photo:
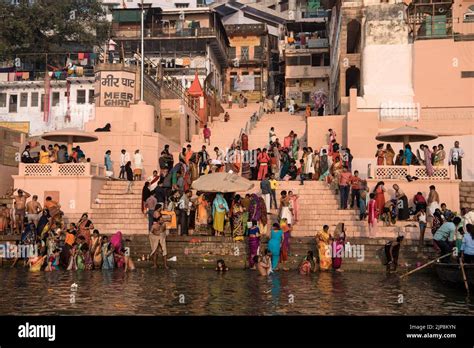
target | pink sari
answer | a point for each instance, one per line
(372, 212)
(429, 166)
(117, 243)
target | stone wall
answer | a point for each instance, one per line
(466, 194)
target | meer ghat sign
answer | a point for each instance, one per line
(117, 88)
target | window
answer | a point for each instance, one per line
(34, 99)
(257, 81)
(233, 76)
(3, 100)
(168, 122)
(244, 52)
(305, 60)
(13, 103)
(42, 102)
(258, 52)
(55, 98)
(231, 52)
(316, 59)
(23, 100)
(81, 96)
(305, 97)
(292, 61)
(182, 5)
(327, 61)
(91, 96)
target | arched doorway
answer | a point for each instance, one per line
(352, 80)
(353, 36)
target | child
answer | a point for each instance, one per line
(264, 263)
(221, 267)
(207, 135)
(421, 217)
(308, 264)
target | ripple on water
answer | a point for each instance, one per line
(205, 292)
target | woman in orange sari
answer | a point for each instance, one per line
(380, 154)
(202, 215)
(379, 192)
(323, 241)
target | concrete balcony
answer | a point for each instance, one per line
(307, 71)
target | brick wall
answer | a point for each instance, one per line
(466, 194)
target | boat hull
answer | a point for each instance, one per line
(451, 273)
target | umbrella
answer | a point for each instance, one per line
(406, 135)
(70, 136)
(222, 182)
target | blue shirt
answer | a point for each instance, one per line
(467, 245)
(254, 230)
(446, 231)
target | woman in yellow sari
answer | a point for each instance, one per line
(44, 156)
(323, 241)
(336, 170)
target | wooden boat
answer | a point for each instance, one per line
(451, 272)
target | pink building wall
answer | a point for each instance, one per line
(437, 67)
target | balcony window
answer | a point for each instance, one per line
(232, 52)
(316, 59)
(244, 53)
(258, 81)
(91, 96)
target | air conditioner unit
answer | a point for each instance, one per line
(469, 17)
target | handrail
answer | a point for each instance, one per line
(249, 125)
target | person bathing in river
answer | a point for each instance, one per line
(392, 250)
(220, 266)
(308, 264)
(264, 263)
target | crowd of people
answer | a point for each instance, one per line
(53, 154)
(424, 156)
(48, 243)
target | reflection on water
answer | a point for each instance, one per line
(205, 292)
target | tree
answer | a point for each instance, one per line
(48, 26)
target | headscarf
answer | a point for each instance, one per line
(218, 201)
(116, 241)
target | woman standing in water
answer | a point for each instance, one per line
(274, 244)
(338, 247)
(285, 248)
(323, 241)
(254, 243)
(107, 254)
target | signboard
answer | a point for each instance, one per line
(296, 95)
(8, 156)
(117, 88)
(244, 83)
(238, 41)
(17, 126)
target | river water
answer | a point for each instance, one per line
(237, 292)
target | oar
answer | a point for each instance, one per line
(423, 266)
(464, 275)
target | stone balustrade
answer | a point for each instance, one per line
(400, 172)
(61, 170)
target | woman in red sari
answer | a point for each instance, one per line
(379, 192)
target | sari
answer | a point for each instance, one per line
(219, 209)
(440, 156)
(84, 230)
(408, 156)
(36, 263)
(285, 212)
(295, 146)
(338, 247)
(389, 155)
(428, 165)
(323, 168)
(202, 215)
(107, 256)
(372, 212)
(317, 164)
(237, 223)
(285, 160)
(287, 141)
(323, 240)
(380, 199)
(285, 247)
(380, 157)
(254, 244)
(117, 244)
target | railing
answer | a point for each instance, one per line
(61, 170)
(401, 172)
(249, 125)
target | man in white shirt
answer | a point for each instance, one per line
(112, 47)
(455, 158)
(124, 158)
(153, 180)
(137, 171)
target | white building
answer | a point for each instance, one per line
(23, 104)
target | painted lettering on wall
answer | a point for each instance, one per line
(117, 89)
